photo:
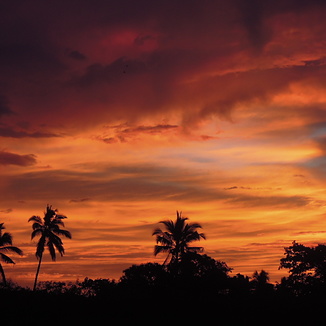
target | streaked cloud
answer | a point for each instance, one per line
(11, 132)
(7, 158)
(122, 112)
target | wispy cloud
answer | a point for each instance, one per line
(124, 133)
(11, 132)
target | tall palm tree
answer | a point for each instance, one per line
(49, 232)
(176, 239)
(6, 246)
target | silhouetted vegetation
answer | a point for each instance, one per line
(6, 246)
(176, 239)
(191, 287)
(49, 231)
(205, 291)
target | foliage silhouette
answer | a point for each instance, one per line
(204, 292)
(6, 246)
(49, 232)
(197, 287)
(260, 282)
(305, 260)
(307, 268)
(145, 275)
(176, 239)
(260, 278)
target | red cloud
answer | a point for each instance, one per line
(7, 158)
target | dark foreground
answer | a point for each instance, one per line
(198, 290)
(112, 303)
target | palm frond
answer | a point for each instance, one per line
(51, 250)
(180, 221)
(35, 219)
(157, 231)
(169, 224)
(6, 239)
(159, 249)
(194, 236)
(57, 242)
(59, 247)
(65, 233)
(195, 249)
(57, 222)
(164, 239)
(36, 233)
(14, 249)
(193, 226)
(59, 216)
(6, 259)
(37, 225)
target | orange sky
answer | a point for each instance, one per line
(119, 113)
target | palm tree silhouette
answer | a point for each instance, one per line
(260, 278)
(49, 232)
(176, 239)
(6, 245)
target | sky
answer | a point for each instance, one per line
(120, 113)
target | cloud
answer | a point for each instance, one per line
(4, 108)
(253, 14)
(150, 129)
(7, 158)
(140, 63)
(231, 188)
(270, 201)
(316, 164)
(6, 211)
(309, 232)
(110, 185)
(138, 183)
(114, 72)
(124, 133)
(76, 55)
(79, 200)
(11, 132)
(155, 74)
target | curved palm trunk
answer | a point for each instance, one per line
(166, 259)
(37, 272)
(3, 275)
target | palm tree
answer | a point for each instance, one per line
(260, 278)
(6, 246)
(49, 232)
(176, 239)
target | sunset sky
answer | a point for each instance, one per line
(119, 113)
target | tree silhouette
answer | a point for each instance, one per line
(49, 232)
(144, 275)
(6, 246)
(260, 278)
(300, 259)
(307, 267)
(260, 283)
(176, 239)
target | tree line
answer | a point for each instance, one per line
(306, 265)
(189, 284)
